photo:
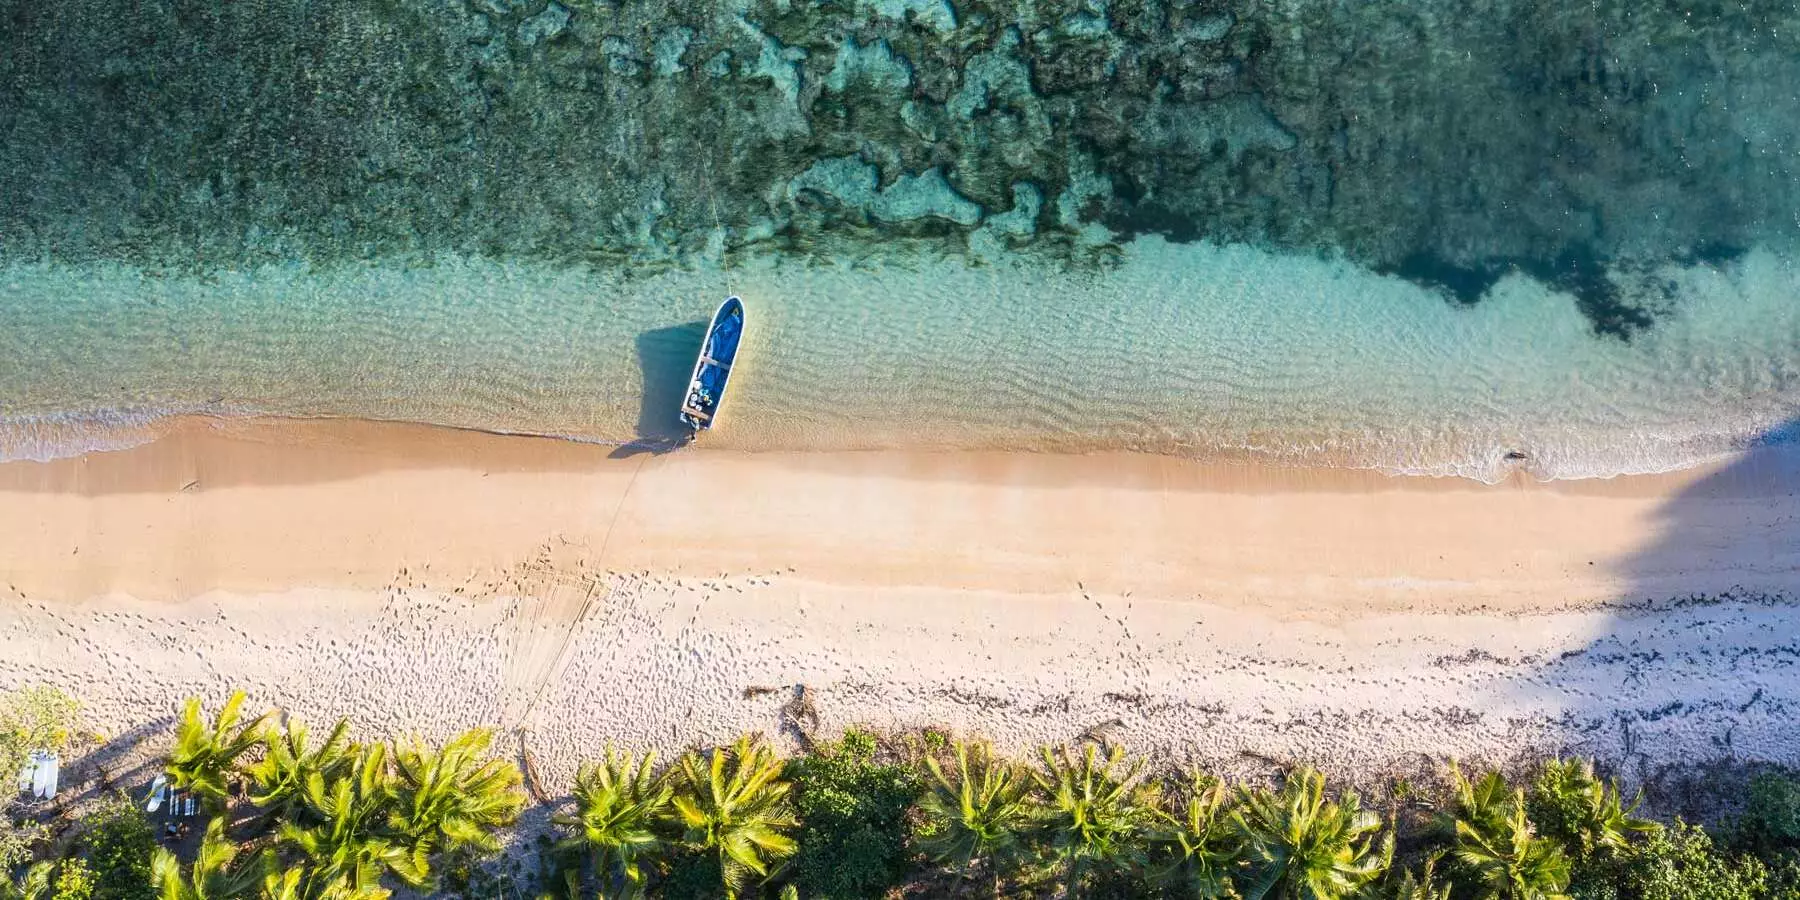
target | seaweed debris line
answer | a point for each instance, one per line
(706, 388)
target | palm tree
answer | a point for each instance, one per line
(346, 844)
(1423, 886)
(457, 795)
(1205, 847)
(734, 804)
(1510, 862)
(1302, 846)
(1587, 816)
(288, 761)
(291, 883)
(213, 876)
(621, 808)
(205, 755)
(34, 886)
(1482, 804)
(1097, 810)
(978, 813)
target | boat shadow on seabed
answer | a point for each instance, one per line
(666, 356)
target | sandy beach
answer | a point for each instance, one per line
(425, 580)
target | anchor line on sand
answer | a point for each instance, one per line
(567, 641)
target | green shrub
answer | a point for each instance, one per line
(75, 881)
(1771, 819)
(852, 812)
(1682, 863)
(37, 718)
(17, 840)
(119, 842)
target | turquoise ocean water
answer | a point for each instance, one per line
(1412, 238)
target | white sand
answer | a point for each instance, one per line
(425, 581)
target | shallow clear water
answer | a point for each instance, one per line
(1412, 237)
(1186, 349)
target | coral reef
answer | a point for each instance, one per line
(1570, 143)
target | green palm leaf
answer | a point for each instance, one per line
(1097, 810)
(1586, 816)
(205, 754)
(35, 885)
(1302, 846)
(289, 759)
(732, 803)
(213, 875)
(1202, 847)
(1500, 849)
(976, 813)
(456, 796)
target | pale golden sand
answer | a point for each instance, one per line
(427, 580)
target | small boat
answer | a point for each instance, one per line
(706, 389)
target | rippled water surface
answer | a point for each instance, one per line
(1415, 237)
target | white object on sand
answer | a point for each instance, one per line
(43, 771)
(159, 790)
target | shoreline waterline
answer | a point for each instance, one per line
(263, 505)
(1217, 353)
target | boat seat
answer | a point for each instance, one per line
(713, 362)
(698, 414)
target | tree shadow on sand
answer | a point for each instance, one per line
(666, 357)
(1695, 673)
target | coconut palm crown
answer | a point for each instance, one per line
(1203, 848)
(1302, 846)
(289, 759)
(621, 808)
(348, 844)
(978, 812)
(1510, 861)
(206, 754)
(733, 803)
(1587, 816)
(457, 795)
(1096, 807)
(215, 875)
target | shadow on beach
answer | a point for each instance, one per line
(1696, 671)
(666, 356)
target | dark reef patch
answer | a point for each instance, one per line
(1579, 272)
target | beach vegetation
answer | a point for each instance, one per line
(456, 796)
(1197, 846)
(1096, 809)
(853, 808)
(1423, 883)
(216, 873)
(977, 812)
(733, 805)
(119, 843)
(289, 759)
(19, 842)
(867, 816)
(34, 718)
(34, 883)
(623, 807)
(206, 753)
(1585, 815)
(347, 843)
(1682, 862)
(74, 881)
(1771, 818)
(1302, 845)
(1508, 860)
